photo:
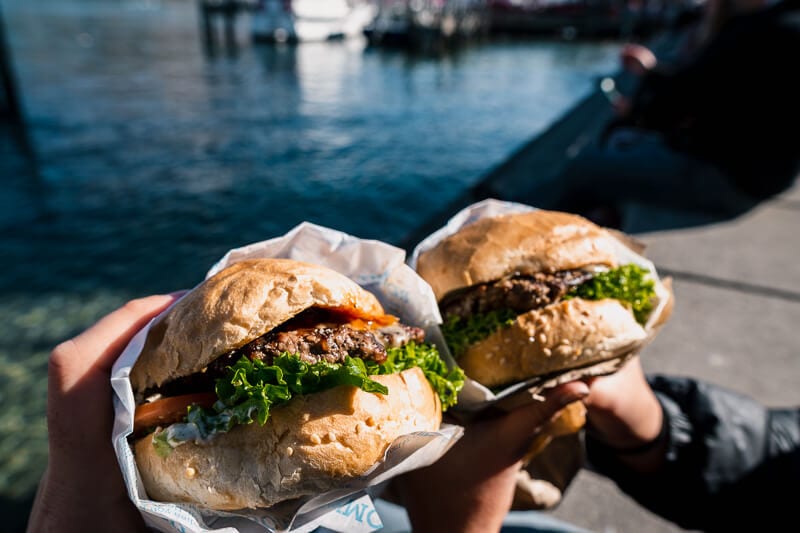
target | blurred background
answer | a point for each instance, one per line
(142, 139)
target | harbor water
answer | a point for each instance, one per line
(153, 158)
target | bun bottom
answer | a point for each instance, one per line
(565, 335)
(310, 445)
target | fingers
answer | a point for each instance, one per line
(97, 348)
(633, 48)
(474, 481)
(637, 59)
(79, 406)
(521, 426)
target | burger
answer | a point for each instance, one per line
(538, 293)
(543, 297)
(276, 379)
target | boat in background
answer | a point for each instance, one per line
(578, 18)
(310, 20)
(567, 17)
(427, 24)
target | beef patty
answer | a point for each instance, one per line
(517, 293)
(329, 342)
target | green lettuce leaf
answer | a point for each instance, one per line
(249, 389)
(630, 284)
(161, 444)
(445, 382)
(459, 333)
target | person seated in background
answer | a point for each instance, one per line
(694, 453)
(708, 133)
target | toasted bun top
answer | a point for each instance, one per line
(523, 243)
(236, 306)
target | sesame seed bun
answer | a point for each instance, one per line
(312, 443)
(563, 335)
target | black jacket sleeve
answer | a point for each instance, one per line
(731, 464)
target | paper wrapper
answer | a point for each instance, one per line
(379, 268)
(474, 397)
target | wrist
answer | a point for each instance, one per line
(643, 446)
(629, 423)
(641, 454)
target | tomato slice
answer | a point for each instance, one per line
(167, 411)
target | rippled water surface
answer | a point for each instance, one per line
(153, 159)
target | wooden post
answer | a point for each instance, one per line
(206, 26)
(10, 105)
(229, 12)
(224, 13)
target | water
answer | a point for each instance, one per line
(154, 159)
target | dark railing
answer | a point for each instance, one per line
(10, 110)
(11, 114)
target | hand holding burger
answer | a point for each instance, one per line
(474, 482)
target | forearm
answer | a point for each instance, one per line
(479, 510)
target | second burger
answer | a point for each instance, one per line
(538, 293)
